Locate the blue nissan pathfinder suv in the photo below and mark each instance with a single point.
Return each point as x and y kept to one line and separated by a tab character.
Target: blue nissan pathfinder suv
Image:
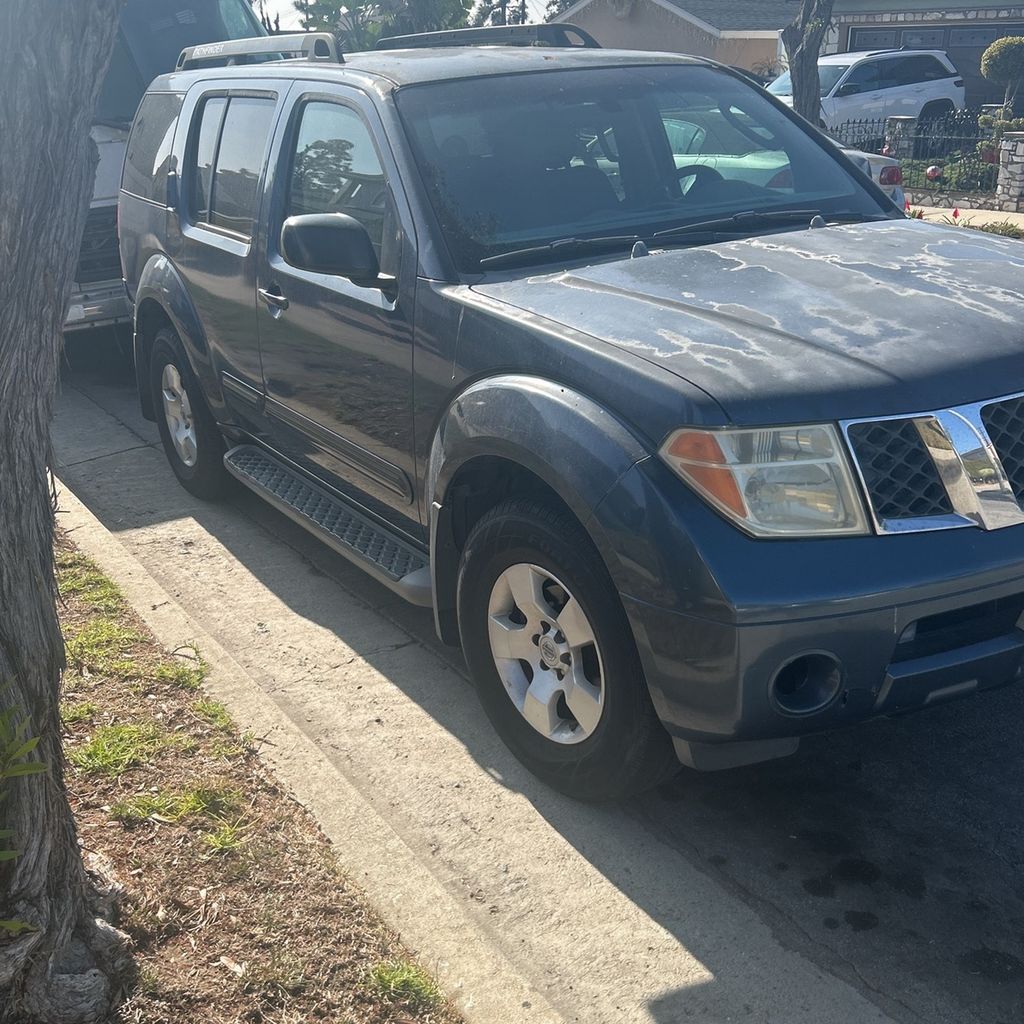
690	438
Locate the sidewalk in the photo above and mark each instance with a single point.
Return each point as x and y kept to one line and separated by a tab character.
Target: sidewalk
940	215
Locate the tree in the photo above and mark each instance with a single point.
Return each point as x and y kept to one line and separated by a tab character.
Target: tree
802	39
1003	63
556	7
61	969
358	24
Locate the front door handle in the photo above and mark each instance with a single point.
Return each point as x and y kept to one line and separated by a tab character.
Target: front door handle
274	300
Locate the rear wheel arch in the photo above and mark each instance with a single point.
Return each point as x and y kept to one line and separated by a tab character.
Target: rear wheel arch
150	317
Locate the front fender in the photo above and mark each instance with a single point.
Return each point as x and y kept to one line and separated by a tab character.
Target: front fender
567	440
575	446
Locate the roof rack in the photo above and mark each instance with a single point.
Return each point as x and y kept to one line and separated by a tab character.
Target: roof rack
496	35
312	46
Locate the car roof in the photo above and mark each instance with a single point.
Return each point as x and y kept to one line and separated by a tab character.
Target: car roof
857	55
414	66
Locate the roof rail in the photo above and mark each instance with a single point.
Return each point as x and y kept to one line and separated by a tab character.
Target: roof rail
311	46
495	35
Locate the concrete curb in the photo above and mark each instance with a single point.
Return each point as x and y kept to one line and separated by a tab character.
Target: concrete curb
468	963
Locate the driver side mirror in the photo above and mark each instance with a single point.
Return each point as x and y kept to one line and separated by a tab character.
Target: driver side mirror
849	89
336	244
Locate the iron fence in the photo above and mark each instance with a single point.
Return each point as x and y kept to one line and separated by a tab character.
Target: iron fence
952	153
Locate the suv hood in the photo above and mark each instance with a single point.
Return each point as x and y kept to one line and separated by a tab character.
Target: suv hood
811	325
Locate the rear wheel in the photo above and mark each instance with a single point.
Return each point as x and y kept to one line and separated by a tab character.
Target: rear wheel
553	658
191	439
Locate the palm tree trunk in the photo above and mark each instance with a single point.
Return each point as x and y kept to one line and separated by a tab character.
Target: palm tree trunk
55	55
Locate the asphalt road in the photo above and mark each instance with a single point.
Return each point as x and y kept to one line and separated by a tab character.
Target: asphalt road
875	875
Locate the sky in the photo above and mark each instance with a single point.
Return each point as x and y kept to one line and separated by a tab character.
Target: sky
289	19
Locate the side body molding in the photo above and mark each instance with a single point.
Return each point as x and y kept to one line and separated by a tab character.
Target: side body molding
571	443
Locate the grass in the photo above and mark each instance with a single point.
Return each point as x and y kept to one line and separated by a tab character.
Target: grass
74	711
227	837
113	749
181	673
79	576
403	981
207	802
214	712
100	647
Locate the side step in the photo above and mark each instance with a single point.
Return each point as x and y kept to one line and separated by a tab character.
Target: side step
333	520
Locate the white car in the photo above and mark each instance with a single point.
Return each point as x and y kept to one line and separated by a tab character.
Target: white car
876	84
884	171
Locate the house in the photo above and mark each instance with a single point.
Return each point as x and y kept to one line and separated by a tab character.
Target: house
964	32
744	33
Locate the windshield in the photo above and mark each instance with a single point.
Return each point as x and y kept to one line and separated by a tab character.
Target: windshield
153	34
517	162
828	75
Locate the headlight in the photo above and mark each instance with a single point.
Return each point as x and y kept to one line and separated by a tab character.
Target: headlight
772	481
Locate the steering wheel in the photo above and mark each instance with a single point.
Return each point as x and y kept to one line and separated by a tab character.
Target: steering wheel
702	175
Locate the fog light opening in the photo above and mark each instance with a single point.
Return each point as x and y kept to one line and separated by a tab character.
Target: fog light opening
807	683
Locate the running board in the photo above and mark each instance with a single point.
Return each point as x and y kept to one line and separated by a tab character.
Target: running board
335	521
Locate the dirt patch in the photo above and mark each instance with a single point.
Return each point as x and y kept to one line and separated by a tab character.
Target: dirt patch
233	898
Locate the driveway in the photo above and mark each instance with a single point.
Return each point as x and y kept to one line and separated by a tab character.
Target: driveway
874	876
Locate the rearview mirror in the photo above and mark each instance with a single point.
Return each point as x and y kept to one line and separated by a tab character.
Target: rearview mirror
336	244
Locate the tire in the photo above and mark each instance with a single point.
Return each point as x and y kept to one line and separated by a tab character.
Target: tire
609	743
199	465
936	109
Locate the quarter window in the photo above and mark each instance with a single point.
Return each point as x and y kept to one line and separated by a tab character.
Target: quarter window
228	161
335	169
149	148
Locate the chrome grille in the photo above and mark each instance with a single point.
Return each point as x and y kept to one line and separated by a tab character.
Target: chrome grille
948	468
1004	422
901	479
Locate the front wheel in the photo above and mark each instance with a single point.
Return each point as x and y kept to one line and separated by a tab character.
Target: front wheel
192	441
551	652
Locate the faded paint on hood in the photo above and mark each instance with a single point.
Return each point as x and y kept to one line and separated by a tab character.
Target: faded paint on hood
821	324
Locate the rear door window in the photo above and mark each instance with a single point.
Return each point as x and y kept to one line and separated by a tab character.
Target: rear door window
149	147
243	141
227	160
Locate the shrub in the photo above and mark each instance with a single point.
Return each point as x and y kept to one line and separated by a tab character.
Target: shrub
1003	63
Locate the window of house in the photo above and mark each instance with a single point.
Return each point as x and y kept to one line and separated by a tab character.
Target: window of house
872	39
228	160
923	38
335	169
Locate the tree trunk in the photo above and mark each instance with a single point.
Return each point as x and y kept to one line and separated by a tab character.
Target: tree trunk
54	58
802	39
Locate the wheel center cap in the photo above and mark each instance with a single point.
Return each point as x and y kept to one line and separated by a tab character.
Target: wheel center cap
548	651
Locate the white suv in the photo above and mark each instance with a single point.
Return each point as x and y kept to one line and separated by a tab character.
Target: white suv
882	83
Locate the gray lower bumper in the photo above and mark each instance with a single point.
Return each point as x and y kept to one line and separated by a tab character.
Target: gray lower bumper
100	305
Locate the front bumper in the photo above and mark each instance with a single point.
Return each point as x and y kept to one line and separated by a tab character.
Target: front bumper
98	305
911	620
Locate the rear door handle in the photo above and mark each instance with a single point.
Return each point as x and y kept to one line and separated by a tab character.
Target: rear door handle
272	299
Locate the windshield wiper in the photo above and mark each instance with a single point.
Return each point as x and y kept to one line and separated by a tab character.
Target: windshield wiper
562	245
737	220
